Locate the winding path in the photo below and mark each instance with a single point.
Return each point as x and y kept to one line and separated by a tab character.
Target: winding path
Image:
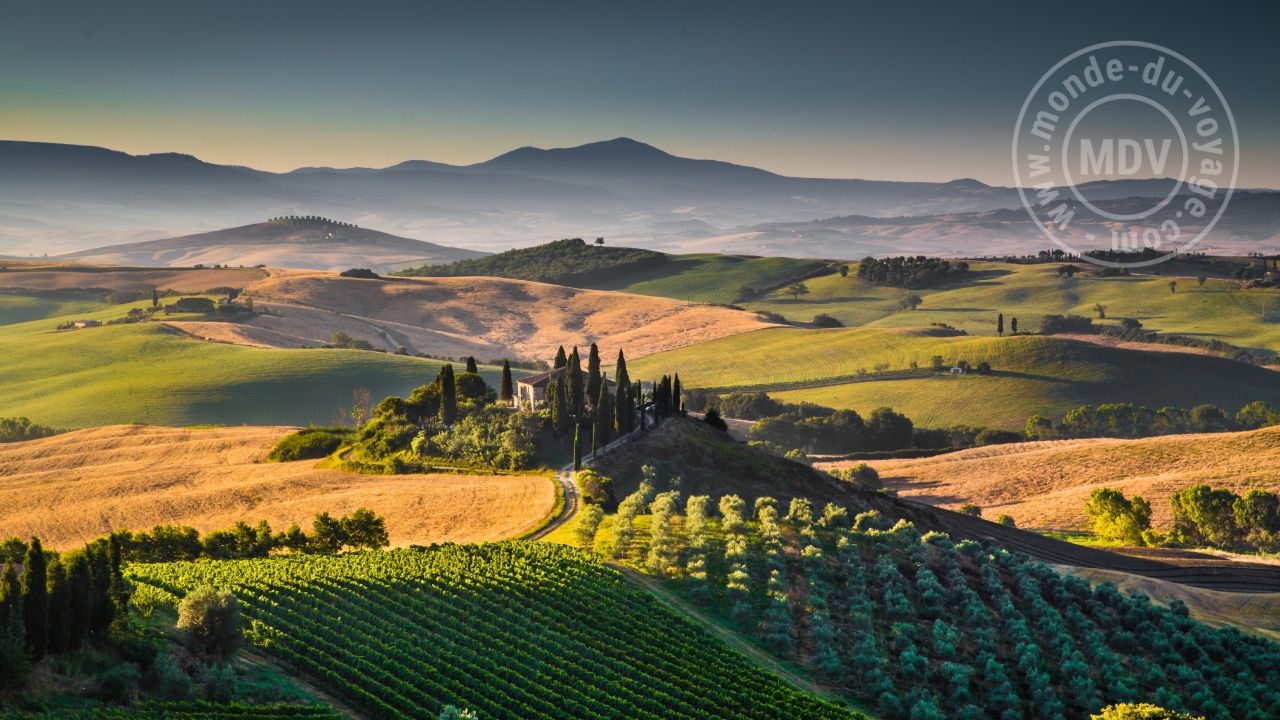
570	490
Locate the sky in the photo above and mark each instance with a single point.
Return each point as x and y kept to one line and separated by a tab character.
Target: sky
884	90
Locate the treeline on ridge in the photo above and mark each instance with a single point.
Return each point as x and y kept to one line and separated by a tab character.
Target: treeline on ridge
912	272
562	262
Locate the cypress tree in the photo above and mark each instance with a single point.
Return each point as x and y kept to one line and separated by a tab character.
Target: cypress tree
120	588
80	581
593	373
558	405
1013	326
577	389
505	389
448	395
644	416
1000	324
623	409
13	661
471	365
102	607
561	360
577	446
677	401
35	600
604	419
155	298
59	607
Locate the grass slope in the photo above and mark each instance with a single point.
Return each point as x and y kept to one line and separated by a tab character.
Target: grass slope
1032	374
150	373
514	630
709	277
1221	309
73	487
1045	484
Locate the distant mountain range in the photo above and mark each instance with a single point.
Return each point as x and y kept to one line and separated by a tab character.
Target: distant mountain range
315	244
65	198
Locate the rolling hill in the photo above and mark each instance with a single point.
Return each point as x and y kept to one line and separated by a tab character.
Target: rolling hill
487	317
1031	374
152	373
80	485
310	244
1044	485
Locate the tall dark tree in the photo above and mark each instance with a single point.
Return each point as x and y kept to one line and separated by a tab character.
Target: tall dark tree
577	446
576	385
623	408
1000	324
593	373
448	395
103	609
558	405
677	399
81	584
13	660
640	401
59	607
120	588
604	419
505	389
561	359
35	600
1013	326
471	365
155	298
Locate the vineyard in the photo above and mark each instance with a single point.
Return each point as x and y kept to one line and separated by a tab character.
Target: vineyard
189	711
509	630
919	627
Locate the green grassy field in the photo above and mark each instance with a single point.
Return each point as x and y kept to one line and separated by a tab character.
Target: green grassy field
710	278
150	373
1032	374
24	308
1248	318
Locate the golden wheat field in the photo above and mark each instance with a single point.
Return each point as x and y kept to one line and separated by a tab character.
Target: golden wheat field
1044	485
73	487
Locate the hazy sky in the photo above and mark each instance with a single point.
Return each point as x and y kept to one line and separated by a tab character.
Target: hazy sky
893	90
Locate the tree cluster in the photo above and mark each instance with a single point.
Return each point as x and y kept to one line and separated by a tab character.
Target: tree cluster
913	272
1127	420
571	261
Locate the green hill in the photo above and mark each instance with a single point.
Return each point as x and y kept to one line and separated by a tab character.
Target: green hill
712	278
1031	374
563	262
151	373
515	630
1221	308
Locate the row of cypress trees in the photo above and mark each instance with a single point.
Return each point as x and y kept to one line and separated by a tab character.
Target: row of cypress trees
581	401
51	603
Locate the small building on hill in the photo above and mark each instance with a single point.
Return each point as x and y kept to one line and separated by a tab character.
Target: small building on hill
88	323
531	390
192	305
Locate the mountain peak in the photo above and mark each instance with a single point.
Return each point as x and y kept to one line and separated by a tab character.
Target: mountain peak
621	148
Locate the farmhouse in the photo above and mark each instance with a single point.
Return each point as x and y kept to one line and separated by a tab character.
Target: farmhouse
191	304
531	390
87	323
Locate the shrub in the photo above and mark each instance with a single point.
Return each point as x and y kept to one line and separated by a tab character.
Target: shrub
1115	517
970	509
1006	520
864	476
309	444
167	681
1051	324
219	683
993	436
210	620
823	320
712	418
595	489
1140	712
119	683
